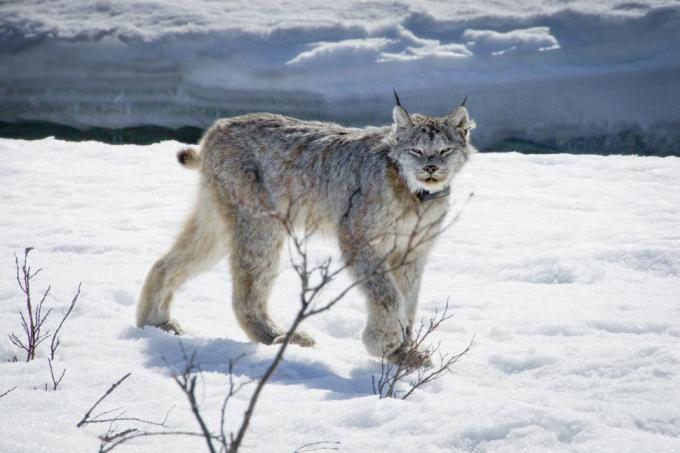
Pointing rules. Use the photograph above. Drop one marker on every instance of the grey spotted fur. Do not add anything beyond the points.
(359, 184)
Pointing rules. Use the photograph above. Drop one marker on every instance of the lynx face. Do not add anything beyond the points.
(430, 151)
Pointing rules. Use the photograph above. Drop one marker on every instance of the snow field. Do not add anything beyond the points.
(565, 268)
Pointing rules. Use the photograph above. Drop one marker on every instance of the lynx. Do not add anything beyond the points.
(376, 189)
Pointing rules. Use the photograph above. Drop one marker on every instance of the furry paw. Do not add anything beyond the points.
(409, 356)
(298, 338)
(171, 326)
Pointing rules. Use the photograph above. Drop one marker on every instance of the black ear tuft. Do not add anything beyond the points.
(462, 104)
(396, 97)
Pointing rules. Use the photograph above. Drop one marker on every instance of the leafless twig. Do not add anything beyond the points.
(36, 318)
(8, 391)
(55, 381)
(386, 385)
(187, 382)
(115, 437)
(34, 321)
(87, 417)
(55, 336)
(186, 379)
(323, 445)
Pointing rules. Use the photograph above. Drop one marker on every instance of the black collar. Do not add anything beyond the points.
(424, 195)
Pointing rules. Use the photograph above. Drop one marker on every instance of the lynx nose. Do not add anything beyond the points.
(430, 168)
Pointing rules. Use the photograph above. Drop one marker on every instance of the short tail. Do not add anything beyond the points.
(189, 157)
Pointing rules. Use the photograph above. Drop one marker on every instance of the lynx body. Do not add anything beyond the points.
(381, 191)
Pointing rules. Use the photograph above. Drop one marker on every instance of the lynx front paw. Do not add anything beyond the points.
(407, 355)
(298, 338)
(171, 326)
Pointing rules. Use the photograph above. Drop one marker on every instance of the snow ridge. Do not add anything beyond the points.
(586, 75)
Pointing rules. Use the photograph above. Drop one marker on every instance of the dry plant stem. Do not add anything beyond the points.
(245, 423)
(386, 386)
(113, 438)
(187, 383)
(55, 336)
(86, 418)
(323, 445)
(233, 390)
(55, 381)
(445, 363)
(36, 319)
(8, 391)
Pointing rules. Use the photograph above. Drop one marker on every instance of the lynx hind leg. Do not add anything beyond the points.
(199, 245)
(256, 244)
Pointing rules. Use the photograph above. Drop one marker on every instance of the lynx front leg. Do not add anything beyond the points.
(408, 276)
(384, 332)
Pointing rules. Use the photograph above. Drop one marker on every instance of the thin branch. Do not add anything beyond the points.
(188, 385)
(445, 364)
(55, 336)
(86, 418)
(391, 375)
(318, 446)
(8, 391)
(55, 382)
(245, 423)
(233, 390)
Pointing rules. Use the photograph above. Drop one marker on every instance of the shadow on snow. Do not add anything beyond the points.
(164, 351)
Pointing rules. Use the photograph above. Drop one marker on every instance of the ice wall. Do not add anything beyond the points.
(599, 76)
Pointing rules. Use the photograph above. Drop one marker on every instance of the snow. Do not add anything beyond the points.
(566, 268)
(578, 75)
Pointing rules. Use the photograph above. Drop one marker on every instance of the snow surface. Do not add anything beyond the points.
(566, 268)
(576, 75)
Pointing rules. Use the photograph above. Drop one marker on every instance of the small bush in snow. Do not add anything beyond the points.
(33, 328)
(393, 376)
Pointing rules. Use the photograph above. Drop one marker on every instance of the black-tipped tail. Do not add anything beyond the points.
(189, 158)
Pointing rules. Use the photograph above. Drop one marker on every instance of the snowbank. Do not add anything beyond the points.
(593, 76)
(566, 268)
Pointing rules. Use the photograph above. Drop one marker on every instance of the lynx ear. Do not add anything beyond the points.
(460, 120)
(401, 118)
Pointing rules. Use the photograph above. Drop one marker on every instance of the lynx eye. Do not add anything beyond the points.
(416, 152)
(446, 151)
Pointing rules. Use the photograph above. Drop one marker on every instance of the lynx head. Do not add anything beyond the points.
(430, 150)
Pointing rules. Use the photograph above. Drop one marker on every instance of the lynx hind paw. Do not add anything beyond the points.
(410, 357)
(171, 326)
(298, 338)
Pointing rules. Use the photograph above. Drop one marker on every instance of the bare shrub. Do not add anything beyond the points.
(438, 363)
(114, 436)
(36, 318)
(34, 321)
